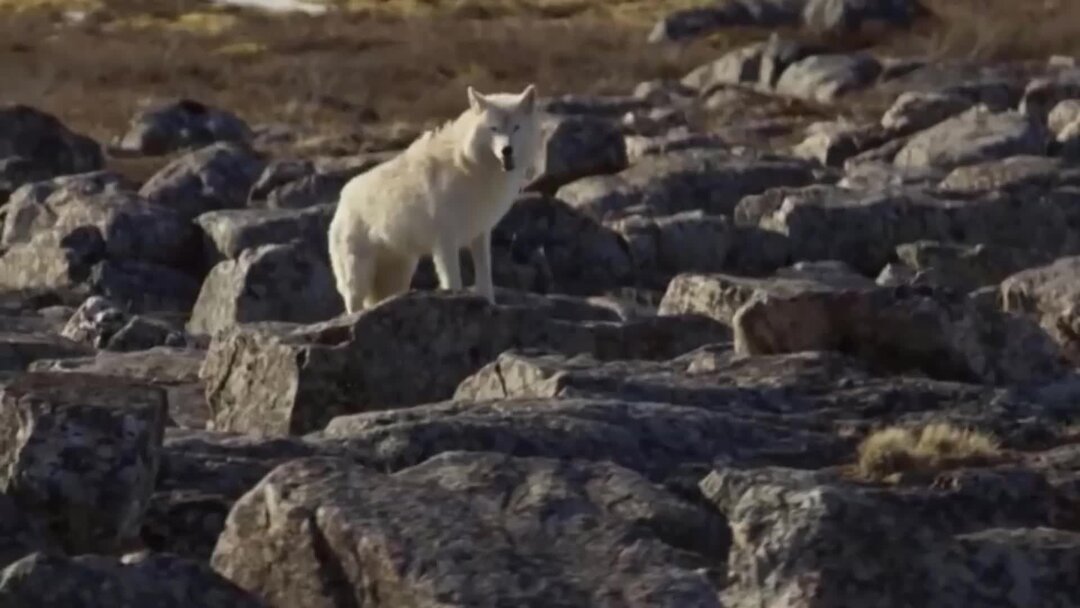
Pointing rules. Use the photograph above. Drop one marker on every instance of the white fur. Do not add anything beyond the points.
(447, 190)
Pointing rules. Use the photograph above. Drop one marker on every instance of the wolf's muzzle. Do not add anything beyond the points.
(507, 158)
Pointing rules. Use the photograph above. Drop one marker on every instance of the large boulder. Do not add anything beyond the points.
(1049, 294)
(408, 350)
(823, 78)
(974, 136)
(43, 146)
(286, 282)
(219, 176)
(185, 123)
(229, 232)
(446, 533)
(135, 581)
(80, 453)
(576, 147)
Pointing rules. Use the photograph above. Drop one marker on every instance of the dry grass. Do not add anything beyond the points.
(389, 61)
(935, 447)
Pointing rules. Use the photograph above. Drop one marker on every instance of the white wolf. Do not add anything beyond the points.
(445, 191)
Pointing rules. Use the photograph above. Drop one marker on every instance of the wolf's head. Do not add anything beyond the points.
(507, 127)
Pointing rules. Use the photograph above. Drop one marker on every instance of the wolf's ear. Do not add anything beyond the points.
(476, 100)
(528, 98)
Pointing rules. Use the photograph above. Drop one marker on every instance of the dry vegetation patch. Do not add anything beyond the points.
(936, 447)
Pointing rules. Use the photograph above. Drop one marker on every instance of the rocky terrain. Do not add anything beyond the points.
(793, 355)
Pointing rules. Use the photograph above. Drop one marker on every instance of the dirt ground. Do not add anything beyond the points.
(384, 62)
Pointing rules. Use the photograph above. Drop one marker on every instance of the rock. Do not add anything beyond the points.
(20, 533)
(101, 324)
(137, 580)
(1068, 141)
(1048, 293)
(202, 475)
(18, 350)
(592, 105)
(571, 534)
(862, 174)
(914, 111)
(968, 267)
(286, 282)
(52, 262)
(758, 65)
(1016, 173)
(836, 543)
(720, 296)
(638, 146)
(832, 143)
(998, 85)
(276, 174)
(167, 127)
(576, 147)
(1065, 112)
(1042, 94)
(174, 370)
(900, 330)
(143, 287)
(820, 15)
(218, 176)
(292, 380)
(44, 145)
(864, 228)
(664, 92)
(16, 171)
(823, 78)
(663, 247)
(712, 181)
(544, 245)
(975, 136)
(229, 232)
(294, 184)
(80, 453)
(130, 228)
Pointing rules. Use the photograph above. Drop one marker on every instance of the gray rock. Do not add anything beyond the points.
(878, 175)
(130, 227)
(292, 380)
(167, 127)
(918, 110)
(876, 546)
(757, 65)
(135, 581)
(45, 144)
(1064, 113)
(823, 78)
(901, 330)
(1042, 94)
(296, 184)
(576, 147)
(571, 534)
(229, 232)
(712, 181)
(720, 296)
(1048, 293)
(286, 282)
(144, 287)
(833, 143)
(846, 16)
(600, 106)
(1016, 173)
(975, 136)
(174, 370)
(1068, 141)
(80, 453)
(16, 171)
(640, 146)
(219, 176)
(19, 349)
(52, 262)
(102, 324)
(968, 267)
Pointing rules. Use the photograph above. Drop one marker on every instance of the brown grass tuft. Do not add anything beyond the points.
(935, 447)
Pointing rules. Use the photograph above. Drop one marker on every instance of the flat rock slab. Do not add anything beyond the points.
(80, 453)
(464, 529)
(409, 350)
(974, 136)
(136, 581)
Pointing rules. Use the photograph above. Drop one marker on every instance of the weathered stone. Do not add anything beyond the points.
(129, 226)
(1049, 293)
(218, 176)
(712, 181)
(294, 184)
(135, 581)
(611, 106)
(900, 330)
(167, 127)
(143, 287)
(80, 452)
(1011, 174)
(280, 382)
(823, 78)
(101, 324)
(229, 232)
(832, 143)
(576, 147)
(918, 110)
(810, 539)
(720, 296)
(968, 267)
(1042, 94)
(639, 146)
(1064, 113)
(45, 143)
(444, 533)
(174, 370)
(18, 349)
(286, 282)
(974, 136)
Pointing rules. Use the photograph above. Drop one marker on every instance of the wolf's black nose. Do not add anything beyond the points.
(507, 152)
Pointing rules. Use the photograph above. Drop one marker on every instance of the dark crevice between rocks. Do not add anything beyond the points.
(335, 582)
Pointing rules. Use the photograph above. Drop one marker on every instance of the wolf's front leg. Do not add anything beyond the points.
(481, 255)
(447, 265)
